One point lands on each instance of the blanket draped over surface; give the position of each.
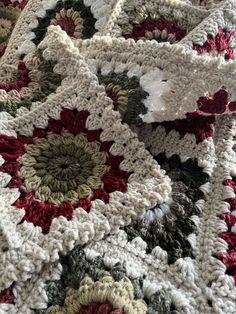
(117, 157)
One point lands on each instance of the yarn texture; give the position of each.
(117, 157)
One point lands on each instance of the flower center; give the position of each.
(67, 24)
(61, 168)
(64, 167)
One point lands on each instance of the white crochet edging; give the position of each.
(219, 288)
(185, 147)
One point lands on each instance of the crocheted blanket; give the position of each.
(117, 157)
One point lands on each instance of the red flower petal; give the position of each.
(101, 194)
(221, 100)
(210, 44)
(232, 202)
(222, 39)
(25, 199)
(232, 106)
(161, 23)
(107, 308)
(138, 32)
(85, 204)
(214, 105)
(205, 104)
(179, 34)
(100, 308)
(23, 80)
(67, 24)
(114, 182)
(39, 132)
(25, 140)
(117, 311)
(73, 120)
(230, 183)
(21, 4)
(229, 237)
(55, 126)
(105, 146)
(93, 135)
(14, 86)
(7, 296)
(40, 214)
(15, 182)
(149, 24)
(114, 161)
(120, 173)
(229, 53)
(67, 116)
(11, 167)
(233, 274)
(66, 210)
(10, 147)
(229, 259)
(198, 48)
(229, 219)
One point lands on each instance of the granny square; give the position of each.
(70, 170)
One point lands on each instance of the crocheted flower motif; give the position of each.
(102, 296)
(169, 225)
(72, 16)
(88, 285)
(145, 24)
(126, 94)
(35, 80)
(9, 13)
(70, 21)
(218, 44)
(60, 168)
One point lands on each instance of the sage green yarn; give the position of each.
(130, 100)
(62, 167)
